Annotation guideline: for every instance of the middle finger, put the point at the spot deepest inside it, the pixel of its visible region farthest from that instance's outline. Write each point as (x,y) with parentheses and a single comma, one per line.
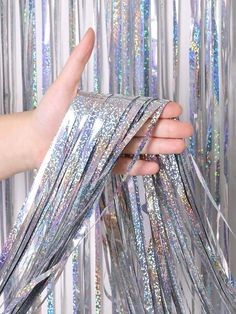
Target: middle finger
(167,128)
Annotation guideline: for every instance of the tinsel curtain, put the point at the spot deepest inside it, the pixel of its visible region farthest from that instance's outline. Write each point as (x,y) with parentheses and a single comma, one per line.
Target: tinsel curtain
(174,49)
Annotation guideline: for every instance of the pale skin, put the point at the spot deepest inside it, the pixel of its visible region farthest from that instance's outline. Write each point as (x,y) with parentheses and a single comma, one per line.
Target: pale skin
(26,136)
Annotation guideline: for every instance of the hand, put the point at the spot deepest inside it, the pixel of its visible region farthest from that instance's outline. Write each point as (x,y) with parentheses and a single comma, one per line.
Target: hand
(26,136)
(167,138)
(48,116)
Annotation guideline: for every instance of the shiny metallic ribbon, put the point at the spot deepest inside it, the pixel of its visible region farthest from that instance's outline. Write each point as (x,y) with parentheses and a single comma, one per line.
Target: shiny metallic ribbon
(181,50)
(154,228)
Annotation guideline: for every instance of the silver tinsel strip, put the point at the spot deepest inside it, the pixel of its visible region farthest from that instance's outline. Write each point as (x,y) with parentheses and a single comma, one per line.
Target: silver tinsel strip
(181,50)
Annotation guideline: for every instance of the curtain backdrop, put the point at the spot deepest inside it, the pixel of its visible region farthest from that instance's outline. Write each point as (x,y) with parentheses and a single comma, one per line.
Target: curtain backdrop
(176,49)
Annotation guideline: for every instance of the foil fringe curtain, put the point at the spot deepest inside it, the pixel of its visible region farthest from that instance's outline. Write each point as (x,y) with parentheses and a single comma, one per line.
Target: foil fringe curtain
(150,260)
(181,50)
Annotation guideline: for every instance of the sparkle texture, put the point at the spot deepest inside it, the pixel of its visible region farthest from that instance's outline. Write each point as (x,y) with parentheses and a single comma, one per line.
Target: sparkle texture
(153,229)
(161,244)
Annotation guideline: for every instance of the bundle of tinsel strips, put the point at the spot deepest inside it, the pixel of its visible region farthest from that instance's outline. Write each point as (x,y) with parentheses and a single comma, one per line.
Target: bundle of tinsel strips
(153,232)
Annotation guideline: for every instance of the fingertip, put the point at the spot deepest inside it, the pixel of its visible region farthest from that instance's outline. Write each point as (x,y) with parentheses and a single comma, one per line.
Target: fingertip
(84,49)
(90,32)
(187,129)
(72,71)
(191,129)
(172,110)
(179,146)
(89,37)
(142,168)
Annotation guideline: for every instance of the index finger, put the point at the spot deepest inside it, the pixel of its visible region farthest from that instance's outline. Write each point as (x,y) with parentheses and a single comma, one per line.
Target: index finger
(171,110)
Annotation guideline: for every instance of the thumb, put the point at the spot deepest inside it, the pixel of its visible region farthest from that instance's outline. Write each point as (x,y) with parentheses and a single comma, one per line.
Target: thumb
(71,73)
(60,94)
(55,103)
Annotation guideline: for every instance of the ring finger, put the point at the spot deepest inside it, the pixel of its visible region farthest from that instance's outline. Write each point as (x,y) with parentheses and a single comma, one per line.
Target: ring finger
(156,146)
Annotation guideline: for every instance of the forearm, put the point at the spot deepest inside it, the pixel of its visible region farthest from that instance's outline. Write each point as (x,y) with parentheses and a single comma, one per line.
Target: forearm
(16,144)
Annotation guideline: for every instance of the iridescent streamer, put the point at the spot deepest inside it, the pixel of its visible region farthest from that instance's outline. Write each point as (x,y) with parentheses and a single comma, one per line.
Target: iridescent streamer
(194,62)
(29,47)
(176,43)
(46,45)
(88,124)
(209,35)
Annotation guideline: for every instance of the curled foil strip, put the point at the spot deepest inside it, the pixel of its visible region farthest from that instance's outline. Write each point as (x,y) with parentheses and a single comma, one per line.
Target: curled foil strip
(151,230)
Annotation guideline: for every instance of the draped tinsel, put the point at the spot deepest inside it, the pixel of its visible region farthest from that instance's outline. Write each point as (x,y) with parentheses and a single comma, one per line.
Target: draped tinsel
(165,248)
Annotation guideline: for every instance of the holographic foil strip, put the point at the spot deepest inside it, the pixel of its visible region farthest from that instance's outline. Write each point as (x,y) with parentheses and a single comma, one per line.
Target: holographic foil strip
(86,130)
(46,45)
(27,10)
(203,82)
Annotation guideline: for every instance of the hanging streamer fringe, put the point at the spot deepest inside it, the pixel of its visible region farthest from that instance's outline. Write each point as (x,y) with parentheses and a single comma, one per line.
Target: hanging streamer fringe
(75,174)
(172,236)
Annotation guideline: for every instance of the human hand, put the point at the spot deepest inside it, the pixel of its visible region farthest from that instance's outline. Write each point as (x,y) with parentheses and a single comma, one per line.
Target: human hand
(47,117)
(26,137)
(168,137)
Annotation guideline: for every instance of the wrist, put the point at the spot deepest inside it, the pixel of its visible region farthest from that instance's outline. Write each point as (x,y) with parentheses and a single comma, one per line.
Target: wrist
(39,141)
(16,143)
(29,142)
